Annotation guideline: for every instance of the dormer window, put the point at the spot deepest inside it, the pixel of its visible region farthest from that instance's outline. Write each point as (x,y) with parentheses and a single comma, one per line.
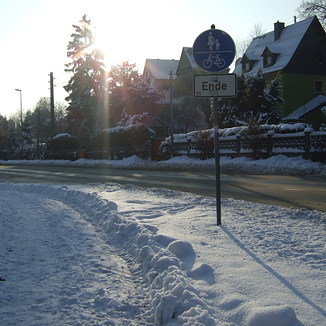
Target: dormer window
(247,64)
(268,61)
(269,57)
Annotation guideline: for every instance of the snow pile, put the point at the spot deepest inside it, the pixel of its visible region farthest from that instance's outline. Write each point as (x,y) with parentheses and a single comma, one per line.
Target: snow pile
(233,131)
(279,164)
(272,316)
(160,261)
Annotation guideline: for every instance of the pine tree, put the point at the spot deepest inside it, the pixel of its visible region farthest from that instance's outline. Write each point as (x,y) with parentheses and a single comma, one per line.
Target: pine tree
(255,103)
(129,92)
(27,136)
(271,101)
(87,85)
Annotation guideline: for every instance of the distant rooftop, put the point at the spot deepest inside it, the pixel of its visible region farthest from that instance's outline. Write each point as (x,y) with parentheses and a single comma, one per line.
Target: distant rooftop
(160,68)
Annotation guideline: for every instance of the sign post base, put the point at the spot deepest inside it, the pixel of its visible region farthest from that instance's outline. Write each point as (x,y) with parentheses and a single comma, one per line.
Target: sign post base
(217,161)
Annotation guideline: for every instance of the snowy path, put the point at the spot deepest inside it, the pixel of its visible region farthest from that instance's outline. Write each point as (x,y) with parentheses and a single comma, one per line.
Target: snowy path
(57,268)
(107,254)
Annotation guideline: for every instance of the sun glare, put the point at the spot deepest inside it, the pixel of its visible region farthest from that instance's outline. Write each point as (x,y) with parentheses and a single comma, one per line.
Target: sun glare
(117,35)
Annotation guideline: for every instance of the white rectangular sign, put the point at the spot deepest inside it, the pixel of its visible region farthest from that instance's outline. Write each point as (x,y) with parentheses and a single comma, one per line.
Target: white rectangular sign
(220,85)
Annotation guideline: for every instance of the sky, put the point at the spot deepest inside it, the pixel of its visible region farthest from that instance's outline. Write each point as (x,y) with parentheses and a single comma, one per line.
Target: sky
(34,36)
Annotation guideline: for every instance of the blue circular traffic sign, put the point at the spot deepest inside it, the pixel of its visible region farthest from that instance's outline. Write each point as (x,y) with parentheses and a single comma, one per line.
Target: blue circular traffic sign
(213,50)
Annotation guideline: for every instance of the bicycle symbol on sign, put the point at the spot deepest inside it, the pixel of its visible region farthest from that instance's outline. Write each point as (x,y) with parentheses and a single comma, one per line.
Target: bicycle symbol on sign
(214,59)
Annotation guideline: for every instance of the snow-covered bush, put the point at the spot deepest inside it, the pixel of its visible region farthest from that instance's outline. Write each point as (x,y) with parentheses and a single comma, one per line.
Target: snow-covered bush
(62,146)
(63,142)
(125,141)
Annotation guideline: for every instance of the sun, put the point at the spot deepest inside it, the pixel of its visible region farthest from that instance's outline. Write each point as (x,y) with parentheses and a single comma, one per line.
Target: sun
(117,40)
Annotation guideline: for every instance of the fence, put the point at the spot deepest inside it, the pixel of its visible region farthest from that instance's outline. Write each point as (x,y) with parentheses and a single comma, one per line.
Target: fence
(310,145)
(307,144)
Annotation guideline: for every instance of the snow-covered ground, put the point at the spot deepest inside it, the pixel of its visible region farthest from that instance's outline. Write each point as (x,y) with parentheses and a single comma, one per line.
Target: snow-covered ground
(107,254)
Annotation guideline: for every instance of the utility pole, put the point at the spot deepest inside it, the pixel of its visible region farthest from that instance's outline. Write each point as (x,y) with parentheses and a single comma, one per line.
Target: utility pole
(52,104)
(21,117)
(172,118)
(38,134)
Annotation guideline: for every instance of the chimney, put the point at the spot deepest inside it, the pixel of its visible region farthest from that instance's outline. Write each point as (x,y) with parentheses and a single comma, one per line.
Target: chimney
(278,28)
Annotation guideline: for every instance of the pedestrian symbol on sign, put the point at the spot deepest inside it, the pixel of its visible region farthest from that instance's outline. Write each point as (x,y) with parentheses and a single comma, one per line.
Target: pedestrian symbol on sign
(212,41)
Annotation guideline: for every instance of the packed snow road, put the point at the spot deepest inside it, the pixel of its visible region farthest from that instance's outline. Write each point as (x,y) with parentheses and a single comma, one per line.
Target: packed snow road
(58,269)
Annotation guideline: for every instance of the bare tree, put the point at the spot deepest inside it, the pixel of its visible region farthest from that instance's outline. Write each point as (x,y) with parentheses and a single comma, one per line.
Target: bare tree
(243,45)
(256,31)
(313,7)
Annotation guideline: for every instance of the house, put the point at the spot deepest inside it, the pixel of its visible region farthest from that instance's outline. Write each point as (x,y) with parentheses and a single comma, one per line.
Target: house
(157,73)
(296,55)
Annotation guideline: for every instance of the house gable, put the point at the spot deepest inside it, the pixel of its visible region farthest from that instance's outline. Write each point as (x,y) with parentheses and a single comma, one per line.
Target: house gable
(310,55)
(187,63)
(157,72)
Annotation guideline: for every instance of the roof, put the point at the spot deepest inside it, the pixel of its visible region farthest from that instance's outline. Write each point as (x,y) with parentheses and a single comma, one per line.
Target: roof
(161,68)
(285,46)
(307,107)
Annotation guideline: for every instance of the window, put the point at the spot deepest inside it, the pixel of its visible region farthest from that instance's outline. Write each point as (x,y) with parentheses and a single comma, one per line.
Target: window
(318,86)
(268,61)
(247,64)
(269,57)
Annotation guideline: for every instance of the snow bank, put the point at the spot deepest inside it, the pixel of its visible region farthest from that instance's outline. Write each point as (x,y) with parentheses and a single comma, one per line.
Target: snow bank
(170,294)
(279,164)
(272,316)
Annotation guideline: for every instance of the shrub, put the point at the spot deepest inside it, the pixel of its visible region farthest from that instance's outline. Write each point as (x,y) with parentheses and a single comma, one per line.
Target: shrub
(63,142)
(205,144)
(125,141)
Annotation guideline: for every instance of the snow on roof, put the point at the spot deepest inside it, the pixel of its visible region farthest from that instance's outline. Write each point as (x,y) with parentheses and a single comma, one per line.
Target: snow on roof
(285,46)
(307,107)
(160,68)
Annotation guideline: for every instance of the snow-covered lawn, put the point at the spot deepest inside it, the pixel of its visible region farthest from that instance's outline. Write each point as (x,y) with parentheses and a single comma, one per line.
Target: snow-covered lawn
(107,254)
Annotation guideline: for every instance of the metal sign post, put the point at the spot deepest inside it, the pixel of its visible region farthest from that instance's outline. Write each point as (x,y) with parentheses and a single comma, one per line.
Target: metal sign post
(217,161)
(213,51)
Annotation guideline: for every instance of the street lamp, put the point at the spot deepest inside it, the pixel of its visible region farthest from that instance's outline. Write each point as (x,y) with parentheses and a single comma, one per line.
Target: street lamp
(21,105)
(21,114)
